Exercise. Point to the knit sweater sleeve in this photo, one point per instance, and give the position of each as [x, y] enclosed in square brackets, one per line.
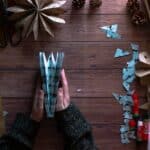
[21, 135]
[76, 129]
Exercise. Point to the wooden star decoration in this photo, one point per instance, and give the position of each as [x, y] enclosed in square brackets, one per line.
[144, 75]
[145, 106]
[30, 14]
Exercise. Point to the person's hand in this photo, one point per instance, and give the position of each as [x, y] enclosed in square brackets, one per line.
[63, 96]
[38, 104]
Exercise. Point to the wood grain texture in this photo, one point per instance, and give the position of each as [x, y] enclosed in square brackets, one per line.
[88, 29]
[92, 70]
[92, 83]
[78, 55]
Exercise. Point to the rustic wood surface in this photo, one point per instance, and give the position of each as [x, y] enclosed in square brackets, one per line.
[92, 71]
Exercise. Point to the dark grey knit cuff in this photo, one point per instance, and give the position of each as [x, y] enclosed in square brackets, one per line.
[72, 123]
[24, 130]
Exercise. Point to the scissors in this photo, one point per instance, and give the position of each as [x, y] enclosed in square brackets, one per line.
[8, 32]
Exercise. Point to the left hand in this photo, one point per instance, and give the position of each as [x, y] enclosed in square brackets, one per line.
[38, 104]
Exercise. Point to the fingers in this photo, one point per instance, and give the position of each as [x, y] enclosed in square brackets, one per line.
[60, 93]
[38, 84]
[38, 106]
[64, 82]
[38, 91]
[60, 97]
[41, 99]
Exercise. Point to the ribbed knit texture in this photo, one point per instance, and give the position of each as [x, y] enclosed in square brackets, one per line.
[21, 135]
[73, 125]
[75, 128]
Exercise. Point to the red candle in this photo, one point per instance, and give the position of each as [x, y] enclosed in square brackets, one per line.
[135, 104]
[132, 123]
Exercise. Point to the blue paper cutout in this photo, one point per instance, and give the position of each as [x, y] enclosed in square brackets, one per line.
[124, 134]
[127, 115]
[128, 73]
[135, 55]
[124, 138]
[131, 134]
[127, 108]
[50, 71]
[111, 31]
[126, 85]
[123, 99]
[124, 128]
[5, 113]
[128, 76]
[120, 53]
[126, 121]
[134, 46]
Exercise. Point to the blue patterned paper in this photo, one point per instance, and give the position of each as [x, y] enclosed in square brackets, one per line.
[111, 31]
[128, 76]
[120, 53]
[50, 71]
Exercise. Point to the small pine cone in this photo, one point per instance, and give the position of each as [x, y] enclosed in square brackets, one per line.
[78, 3]
[139, 18]
[130, 3]
[95, 3]
[132, 6]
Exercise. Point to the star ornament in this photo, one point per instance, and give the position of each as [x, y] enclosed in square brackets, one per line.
[32, 14]
[144, 75]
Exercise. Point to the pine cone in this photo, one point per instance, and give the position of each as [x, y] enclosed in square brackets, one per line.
[132, 6]
[78, 3]
[95, 3]
[139, 17]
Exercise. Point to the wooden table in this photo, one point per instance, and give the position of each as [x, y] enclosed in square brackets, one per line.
[90, 67]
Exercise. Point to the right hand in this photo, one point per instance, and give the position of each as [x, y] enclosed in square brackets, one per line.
[63, 96]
